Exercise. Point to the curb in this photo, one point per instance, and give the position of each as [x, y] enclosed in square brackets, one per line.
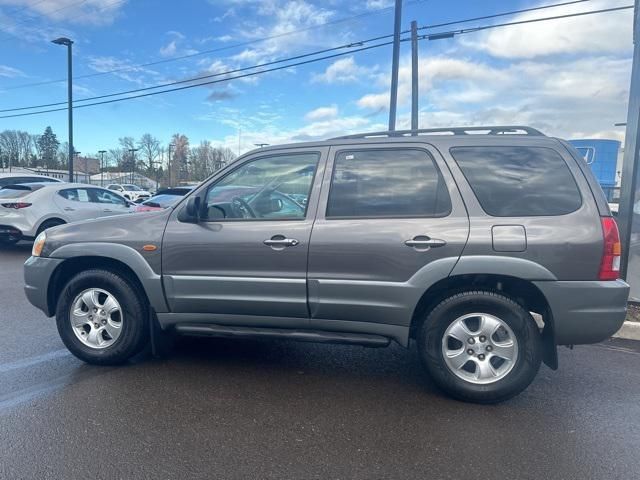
[629, 330]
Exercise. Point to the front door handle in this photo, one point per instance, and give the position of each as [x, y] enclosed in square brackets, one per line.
[106, 210]
[280, 241]
[424, 242]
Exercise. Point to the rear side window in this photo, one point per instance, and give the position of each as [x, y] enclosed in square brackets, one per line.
[519, 181]
[75, 194]
[387, 183]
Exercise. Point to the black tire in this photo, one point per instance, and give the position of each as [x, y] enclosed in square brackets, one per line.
[135, 331]
[49, 224]
[523, 326]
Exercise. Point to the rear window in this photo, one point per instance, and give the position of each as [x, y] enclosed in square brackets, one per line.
[387, 183]
[519, 181]
[14, 192]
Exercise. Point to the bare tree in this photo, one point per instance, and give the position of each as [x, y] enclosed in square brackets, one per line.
[149, 151]
[179, 158]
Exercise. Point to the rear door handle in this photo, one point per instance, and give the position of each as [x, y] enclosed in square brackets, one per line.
[280, 241]
[424, 242]
[69, 209]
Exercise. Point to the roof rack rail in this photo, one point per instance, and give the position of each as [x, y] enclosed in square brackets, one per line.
[489, 130]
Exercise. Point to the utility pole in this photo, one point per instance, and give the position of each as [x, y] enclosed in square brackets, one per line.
[631, 151]
[414, 75]
[102, 152]
[68, 43]
[393, 100]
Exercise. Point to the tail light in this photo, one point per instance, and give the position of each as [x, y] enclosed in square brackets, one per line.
[16, 205]
[610, 264]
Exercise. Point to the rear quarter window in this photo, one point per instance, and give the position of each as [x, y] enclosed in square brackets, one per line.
[514, 181]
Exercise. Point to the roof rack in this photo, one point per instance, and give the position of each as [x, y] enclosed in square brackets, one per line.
[488, 130]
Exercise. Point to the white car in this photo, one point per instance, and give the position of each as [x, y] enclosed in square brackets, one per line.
[28, 209]
[20, 178]
[130, 192]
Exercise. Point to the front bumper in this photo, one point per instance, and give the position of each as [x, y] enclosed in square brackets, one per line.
[585, 311]
[37, 276]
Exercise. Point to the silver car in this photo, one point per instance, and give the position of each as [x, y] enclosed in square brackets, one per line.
[28, 209]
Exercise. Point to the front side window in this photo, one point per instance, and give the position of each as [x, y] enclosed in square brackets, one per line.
[104, 196]
[513, 181]
[269, 188]
[75, 194]
[387, 183]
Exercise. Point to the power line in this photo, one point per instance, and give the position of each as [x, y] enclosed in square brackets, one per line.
[213, 50]
[423, 37]
[452, 33]
[250, 42]
[210, 82]
[203, 77]
[504, 14]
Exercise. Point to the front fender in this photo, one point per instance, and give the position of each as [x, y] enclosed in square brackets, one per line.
[150, 280]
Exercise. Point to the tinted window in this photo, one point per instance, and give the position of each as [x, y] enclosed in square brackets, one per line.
[75, 194]
[274, 187]
[104, 196]
[387, 183]
[163, 200]
[14, 192]
[519, 181]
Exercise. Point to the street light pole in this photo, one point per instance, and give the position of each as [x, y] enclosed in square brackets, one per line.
[133, 151]
[76, 154]
[102, 152]
[171, 145]
[67, 42]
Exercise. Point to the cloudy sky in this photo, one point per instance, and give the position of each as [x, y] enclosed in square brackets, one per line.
[568, 77]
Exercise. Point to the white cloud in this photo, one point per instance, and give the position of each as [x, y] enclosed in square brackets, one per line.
[10, 72]
[322, 113]
[124, 69]
[344, 70]
[173, 48]
[593, 34]
[98, 12]
[378, 4]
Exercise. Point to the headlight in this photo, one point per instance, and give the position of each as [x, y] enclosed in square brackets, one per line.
[38, 244]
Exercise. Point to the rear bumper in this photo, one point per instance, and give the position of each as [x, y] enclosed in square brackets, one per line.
[585, 311]
[37, 273]
[9, 233]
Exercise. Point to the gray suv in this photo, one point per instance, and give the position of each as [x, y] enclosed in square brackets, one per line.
[486, 246]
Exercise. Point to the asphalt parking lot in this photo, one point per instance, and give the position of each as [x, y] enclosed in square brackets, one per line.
[249, 409]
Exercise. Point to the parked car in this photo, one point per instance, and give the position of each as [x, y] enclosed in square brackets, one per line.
[29, 209]
[487, 250]
[20, 178]
[163, 199]
[131, 192]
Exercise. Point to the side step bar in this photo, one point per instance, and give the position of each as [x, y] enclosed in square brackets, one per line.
[224, 331]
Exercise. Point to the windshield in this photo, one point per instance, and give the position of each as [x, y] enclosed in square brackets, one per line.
[131, 188]
[162, 201]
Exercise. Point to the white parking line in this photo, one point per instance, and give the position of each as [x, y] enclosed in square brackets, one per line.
[27, 362]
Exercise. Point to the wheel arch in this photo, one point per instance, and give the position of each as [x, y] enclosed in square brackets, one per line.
[522, 291]
[113, 257]
[58, 219]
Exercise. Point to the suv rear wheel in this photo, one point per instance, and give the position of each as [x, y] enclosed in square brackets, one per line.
[480, 346]
[101, 317]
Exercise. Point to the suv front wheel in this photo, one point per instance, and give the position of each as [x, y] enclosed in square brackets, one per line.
[101, 317]
[480, 346]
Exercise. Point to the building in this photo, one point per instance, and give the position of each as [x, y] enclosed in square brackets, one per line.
[604, 158]
[78, 176]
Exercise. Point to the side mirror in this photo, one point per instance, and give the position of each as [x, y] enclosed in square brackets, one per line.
[191, 212]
